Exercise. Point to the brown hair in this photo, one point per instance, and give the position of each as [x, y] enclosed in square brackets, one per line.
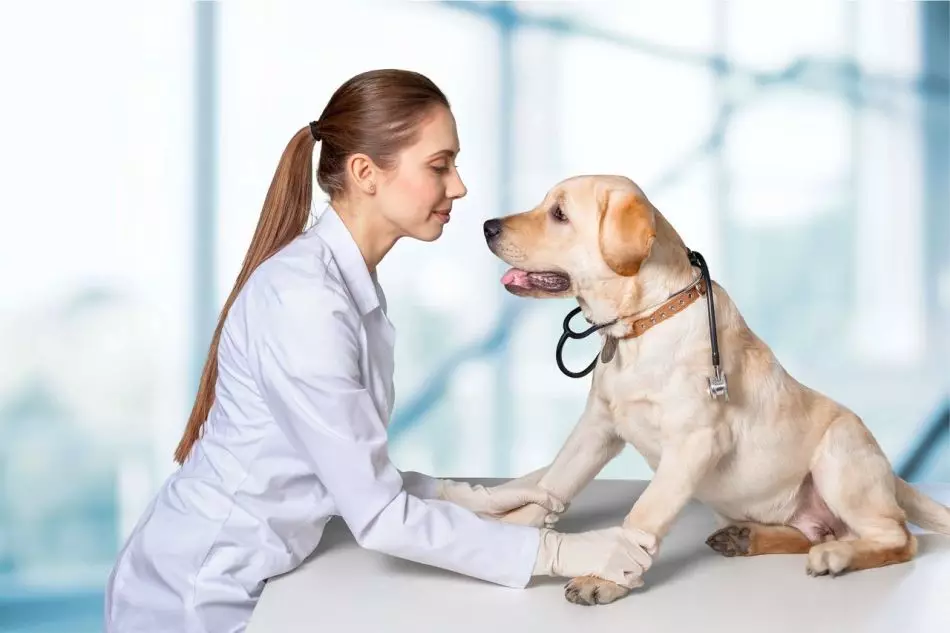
[376, 113]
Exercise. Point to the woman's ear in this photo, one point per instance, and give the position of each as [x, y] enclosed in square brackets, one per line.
[363, 172]
[627, 231]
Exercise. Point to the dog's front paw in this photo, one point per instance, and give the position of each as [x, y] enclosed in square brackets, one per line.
[532, 515]
[590, 590]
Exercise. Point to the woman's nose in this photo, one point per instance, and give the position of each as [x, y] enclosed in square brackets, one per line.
[458, 189]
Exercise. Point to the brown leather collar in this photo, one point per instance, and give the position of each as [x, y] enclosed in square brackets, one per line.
[676, 304]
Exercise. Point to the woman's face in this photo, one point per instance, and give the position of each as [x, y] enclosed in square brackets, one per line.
[416, 195]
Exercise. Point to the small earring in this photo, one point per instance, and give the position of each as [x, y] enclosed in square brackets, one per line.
[372, 188]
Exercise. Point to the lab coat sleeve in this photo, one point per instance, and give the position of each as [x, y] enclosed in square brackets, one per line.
[419, 484]
[306, 345]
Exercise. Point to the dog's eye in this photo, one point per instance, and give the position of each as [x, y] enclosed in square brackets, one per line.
[558, 214]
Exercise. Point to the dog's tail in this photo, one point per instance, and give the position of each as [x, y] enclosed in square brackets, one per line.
[922, 510]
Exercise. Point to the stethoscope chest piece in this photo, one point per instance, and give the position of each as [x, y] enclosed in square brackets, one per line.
[717, 385]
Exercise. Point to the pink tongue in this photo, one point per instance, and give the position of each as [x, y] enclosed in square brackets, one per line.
[516, 277]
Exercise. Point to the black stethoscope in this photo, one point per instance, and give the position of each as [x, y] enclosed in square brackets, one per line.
[716, 383]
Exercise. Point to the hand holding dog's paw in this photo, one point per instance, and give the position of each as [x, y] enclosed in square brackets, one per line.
[531, 515]
[500, 501]
[614, 556]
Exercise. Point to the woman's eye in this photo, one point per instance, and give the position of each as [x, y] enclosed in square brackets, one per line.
[440, 169]
[558, 214]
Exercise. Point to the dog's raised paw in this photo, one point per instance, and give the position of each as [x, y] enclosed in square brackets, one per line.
[732, 540]
[590, 590]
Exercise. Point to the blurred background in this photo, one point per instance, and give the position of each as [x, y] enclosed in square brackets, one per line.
[802, 146]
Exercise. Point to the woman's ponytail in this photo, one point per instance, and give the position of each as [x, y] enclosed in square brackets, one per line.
[284, 216]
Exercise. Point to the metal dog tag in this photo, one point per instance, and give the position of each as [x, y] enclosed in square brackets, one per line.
[609, 349]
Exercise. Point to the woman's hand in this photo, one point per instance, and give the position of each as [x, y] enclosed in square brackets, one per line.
[532, 515]
[497, 501]
[604, 564]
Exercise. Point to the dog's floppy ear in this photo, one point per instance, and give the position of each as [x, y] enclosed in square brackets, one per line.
[627, 231]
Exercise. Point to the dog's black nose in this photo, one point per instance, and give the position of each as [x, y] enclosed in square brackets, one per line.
[492, 229]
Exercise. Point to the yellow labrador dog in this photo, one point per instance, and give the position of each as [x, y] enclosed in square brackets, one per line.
[785, 468]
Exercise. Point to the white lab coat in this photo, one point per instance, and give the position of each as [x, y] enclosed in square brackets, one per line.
[297, 434]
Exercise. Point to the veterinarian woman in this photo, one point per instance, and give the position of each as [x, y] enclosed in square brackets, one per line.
[289, 424]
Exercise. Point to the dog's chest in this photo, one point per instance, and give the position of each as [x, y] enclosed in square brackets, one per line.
[635, 406]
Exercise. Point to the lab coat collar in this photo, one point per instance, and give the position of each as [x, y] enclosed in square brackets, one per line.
[348, 257]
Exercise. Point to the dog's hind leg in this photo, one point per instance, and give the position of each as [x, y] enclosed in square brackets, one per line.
[856, 482]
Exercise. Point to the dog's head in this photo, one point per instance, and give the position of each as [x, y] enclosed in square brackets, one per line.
[587, 230]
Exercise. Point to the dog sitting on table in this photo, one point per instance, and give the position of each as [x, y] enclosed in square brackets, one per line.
[785, 468]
